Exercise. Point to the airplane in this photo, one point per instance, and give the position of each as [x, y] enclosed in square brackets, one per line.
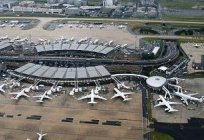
[41, 40]
[120, 85]
[3, 25]
[1, 88]
[72, 39]
[4, 37]
[110, 42]
[70, 26]
[12, 25]
[22, 25]
[122, 94]
[176, 79]
[90, 26]
[196, 45]
[41, 135]
[95, 41]
[15, 84]
[92, 96]
[186, 97]
[163, 102]
[42, 97]
[101, 27]
[54, 89]
[60, 26]
[19, 94]
[121, 27]
[124, 45]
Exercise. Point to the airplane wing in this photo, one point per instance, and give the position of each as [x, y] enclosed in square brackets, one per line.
[193, 94]
[127, 93]
[173, 103]
[85, 97]
[38, 96]
[184, 101]
[25, 95]
[173, 110]
[99, 97]
[2, 90]
[159, 104]
[114, 96]
[47, 97]
[14, 93]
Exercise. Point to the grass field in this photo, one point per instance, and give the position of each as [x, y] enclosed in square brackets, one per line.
[181, 4]
[160, 136]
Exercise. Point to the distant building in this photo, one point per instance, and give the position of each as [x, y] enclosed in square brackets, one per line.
[73, 11]
[7, 4]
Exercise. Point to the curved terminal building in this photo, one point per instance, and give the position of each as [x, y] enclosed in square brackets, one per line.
[61, 74]
[156, 82]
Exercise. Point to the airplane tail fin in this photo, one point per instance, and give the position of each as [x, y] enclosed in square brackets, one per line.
[39, 134]
[92, 102]
[127, 99]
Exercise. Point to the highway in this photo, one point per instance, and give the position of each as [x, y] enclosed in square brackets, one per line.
[171, 54]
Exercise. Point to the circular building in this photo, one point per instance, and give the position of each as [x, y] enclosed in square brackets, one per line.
[156, 82]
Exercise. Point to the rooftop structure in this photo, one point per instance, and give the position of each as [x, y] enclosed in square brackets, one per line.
[156, 82]
[35, 71]
[74, 47]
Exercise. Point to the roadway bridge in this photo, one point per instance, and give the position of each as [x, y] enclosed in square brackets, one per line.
[171, 54]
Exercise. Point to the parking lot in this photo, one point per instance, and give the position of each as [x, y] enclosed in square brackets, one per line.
[194, 53]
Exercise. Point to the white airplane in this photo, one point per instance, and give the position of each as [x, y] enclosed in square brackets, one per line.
[60, 26]
[121, 27]
[70, 26]
[123, 95]
[72, 39]
[186, 97]
[101, 27]
[41, 135]
[110, 42]
[122, 85]
[163, 102]
[176, 79]
[196, 45]
[15, 84]
[19, 94]
[41, 40]
[95, 41]
[42, 97]
[22, 25]
[90, 26]
[92, 96]
[1, 88]
[3, 25]
[4, 37]
[54, 89]
[12, 25]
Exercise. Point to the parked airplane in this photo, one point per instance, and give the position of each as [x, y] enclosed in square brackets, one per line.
[3, 25]
[19, 94]
[41, 135]
[22, 25]
[60, 26]
[163, 102]
[1, 88]
[101, 27]
[41, 40]
[121, 27]
[4, 37]
[177, 80]
[15, 84]
[186, 97]
[123, 95]
[92, 96]
[54, 89]
[122, 85]
[42, 97]
[72, 39]
[12, 25]
[196, 45]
